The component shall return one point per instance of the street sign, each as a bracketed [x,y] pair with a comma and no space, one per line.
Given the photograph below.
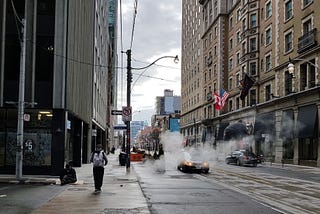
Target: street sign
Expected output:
[126,113]
[116,112]
[120,127]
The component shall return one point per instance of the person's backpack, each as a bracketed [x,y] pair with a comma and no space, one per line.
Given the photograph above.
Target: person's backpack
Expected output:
[98,159]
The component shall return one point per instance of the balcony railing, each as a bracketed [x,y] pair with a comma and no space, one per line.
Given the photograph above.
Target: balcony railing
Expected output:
[307,41]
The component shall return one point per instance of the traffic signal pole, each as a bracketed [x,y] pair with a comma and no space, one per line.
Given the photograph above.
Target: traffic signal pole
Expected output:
[129,79]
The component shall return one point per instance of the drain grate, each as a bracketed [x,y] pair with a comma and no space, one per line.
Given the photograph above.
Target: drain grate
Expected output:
[77,189]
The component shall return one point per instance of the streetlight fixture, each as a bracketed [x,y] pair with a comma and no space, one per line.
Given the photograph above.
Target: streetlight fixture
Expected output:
[291,67]
[129,80]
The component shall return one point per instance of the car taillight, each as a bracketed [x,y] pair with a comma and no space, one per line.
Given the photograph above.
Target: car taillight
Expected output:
[245,157]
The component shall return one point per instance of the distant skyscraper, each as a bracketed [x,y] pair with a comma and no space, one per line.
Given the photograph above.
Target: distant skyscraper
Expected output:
[168,104]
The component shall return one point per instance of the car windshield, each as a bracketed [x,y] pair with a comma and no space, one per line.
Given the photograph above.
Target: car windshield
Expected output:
[193,155]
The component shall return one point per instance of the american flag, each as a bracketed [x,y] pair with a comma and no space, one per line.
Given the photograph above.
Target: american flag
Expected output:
[220,99]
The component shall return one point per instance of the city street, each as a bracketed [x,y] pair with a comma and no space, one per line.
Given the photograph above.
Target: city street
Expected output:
[158,187]
[172,191]
[232,189]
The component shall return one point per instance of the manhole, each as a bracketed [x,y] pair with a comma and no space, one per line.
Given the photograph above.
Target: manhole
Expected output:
[200,194]
[182,176]
[77,189]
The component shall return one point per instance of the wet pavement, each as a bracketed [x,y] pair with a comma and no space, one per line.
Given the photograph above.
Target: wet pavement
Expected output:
[121,192]
[286,193]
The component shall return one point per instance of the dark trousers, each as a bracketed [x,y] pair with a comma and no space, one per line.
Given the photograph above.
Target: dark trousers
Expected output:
[98,173]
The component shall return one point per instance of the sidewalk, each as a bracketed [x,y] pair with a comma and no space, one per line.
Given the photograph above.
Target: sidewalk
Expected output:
[121,193]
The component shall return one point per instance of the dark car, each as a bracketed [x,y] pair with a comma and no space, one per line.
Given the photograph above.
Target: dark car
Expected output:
[242,157]
[193,162]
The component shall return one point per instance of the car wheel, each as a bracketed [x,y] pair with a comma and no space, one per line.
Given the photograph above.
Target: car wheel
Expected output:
[255,164]
[227,162]
[206,171]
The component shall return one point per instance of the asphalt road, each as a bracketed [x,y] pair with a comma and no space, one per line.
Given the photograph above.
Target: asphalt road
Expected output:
[171,191]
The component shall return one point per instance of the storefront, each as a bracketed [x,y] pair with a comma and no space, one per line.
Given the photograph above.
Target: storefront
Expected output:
[50,139]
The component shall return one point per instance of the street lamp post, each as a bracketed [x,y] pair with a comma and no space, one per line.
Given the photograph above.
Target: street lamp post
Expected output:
[291,67]
[129,80]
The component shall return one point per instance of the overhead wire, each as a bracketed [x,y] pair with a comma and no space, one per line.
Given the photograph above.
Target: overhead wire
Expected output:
[134,22]
[17,18]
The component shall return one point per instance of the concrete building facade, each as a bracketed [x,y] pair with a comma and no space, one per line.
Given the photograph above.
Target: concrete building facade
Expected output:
[67,71]
[260,39]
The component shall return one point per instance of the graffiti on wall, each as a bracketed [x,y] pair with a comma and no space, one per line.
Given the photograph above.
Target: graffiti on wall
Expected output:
[36,148]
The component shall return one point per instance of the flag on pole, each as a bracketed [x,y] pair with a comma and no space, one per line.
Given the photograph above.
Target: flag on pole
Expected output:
[220,99]
[246,84]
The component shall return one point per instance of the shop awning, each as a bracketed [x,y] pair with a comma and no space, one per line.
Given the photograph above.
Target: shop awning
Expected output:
[287,124]
[235,131]
[307,121]
[264,124]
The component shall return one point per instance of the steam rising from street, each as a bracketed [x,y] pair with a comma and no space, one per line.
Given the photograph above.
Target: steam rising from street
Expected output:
[173,146]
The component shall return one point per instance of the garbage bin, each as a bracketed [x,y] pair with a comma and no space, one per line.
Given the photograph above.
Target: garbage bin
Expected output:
[122,158]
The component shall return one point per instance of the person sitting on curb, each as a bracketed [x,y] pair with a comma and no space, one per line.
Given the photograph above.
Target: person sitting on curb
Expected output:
[68,175]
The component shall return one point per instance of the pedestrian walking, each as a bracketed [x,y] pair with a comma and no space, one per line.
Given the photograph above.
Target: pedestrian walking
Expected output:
[99,160]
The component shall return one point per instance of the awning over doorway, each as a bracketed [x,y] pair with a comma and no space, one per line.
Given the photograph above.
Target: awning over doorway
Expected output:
[287,124]
[307,121]
[235,131]
[264,124]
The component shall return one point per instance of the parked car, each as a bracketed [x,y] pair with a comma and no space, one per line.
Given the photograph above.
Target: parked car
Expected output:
[242,157]
[193,162]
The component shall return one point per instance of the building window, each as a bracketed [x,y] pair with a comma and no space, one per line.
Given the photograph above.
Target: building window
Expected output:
[253,20]
[238,37]
[288,42]
[268,62]
[238,58]
[307,26]
[244,48]
[237,103]
[307,75]
[268,36]
[288,10]
[230,44]
[253,44]
[288,83]
[268,9]
[230,64]
[307,2]
[230,105]
[244,25]
[253,98]
[238,79]
[238,14]
[268,92]
[253,68]
[230,83]
[230,23]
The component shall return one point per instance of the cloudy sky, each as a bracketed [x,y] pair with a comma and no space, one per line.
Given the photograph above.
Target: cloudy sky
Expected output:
[157,33]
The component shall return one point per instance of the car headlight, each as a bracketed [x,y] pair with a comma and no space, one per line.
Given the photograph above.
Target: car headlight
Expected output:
[187,163]
[205,164]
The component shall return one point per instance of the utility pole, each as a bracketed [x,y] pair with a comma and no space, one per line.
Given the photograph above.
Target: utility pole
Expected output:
[129,79]
[19,155]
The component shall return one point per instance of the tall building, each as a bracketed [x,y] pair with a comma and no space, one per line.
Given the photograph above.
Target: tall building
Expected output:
[273,44]
[168,103]
[67,92]
[192,75]
[135,128]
